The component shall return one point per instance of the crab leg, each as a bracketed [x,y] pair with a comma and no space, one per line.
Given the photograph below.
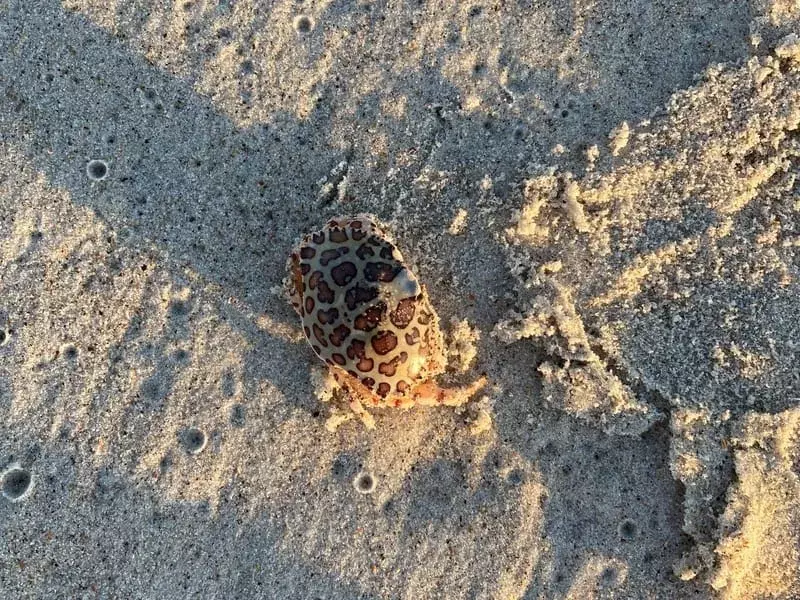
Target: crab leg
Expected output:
[361,412]
[431,394]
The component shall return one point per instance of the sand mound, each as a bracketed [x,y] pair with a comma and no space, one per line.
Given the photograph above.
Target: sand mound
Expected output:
[678,249]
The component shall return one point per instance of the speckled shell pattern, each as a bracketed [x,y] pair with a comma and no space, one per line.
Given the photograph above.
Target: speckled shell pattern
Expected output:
[363,311]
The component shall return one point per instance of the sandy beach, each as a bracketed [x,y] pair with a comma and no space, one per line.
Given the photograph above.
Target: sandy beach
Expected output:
[601,198]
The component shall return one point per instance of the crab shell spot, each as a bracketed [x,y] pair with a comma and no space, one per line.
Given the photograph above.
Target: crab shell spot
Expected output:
[309,304]
[307,252]
[328,255]
[356,224]
[371,317]
[424,318]
[328,316]
[402,386]
[324,293]
[384,342]
[381,271]
[364,251]
[412,337]
[365,364]
[307,331]
[387,252]
[356,349]
[389,368]
[339,359]
[338,236]
[339,335]
[344,273]
[314,280]
[352,373]
[383,389]
[318,237]
[359,295]
[357,234]
[369,382]
[404,313]
[319,334]
[316,349]
[375,240]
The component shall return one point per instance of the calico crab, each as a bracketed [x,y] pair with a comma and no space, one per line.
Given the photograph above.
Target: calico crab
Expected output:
[368,317]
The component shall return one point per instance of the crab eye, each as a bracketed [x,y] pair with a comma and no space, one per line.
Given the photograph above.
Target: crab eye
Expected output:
[406,284]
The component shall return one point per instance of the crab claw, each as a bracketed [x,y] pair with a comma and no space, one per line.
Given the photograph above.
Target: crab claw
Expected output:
[431,394]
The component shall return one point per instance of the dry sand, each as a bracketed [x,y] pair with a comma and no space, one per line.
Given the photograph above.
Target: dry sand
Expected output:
[602,198]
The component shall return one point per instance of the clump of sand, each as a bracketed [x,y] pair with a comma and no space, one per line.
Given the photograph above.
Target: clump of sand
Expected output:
[759,532]
[679,250]
[576,378]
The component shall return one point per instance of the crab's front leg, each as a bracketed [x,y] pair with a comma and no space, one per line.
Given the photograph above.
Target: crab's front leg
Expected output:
[431,394]
[366,418]
[355,398]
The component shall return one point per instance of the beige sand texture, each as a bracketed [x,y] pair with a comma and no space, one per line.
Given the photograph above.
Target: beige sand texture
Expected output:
[602,198]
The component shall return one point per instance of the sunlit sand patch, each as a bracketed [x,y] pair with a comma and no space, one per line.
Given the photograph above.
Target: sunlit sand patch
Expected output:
[758,550]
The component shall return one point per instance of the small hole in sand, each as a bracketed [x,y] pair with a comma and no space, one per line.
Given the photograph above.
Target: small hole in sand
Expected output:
[608,576]
[247,67]
[238,415]
[69,352]
[5,336]
[515,477]
[97,169]
[303,23]
[365,483]
[16,484]
[627,530]
[194,440]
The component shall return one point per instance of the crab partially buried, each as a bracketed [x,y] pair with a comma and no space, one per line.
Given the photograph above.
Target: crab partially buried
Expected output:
[366,315]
